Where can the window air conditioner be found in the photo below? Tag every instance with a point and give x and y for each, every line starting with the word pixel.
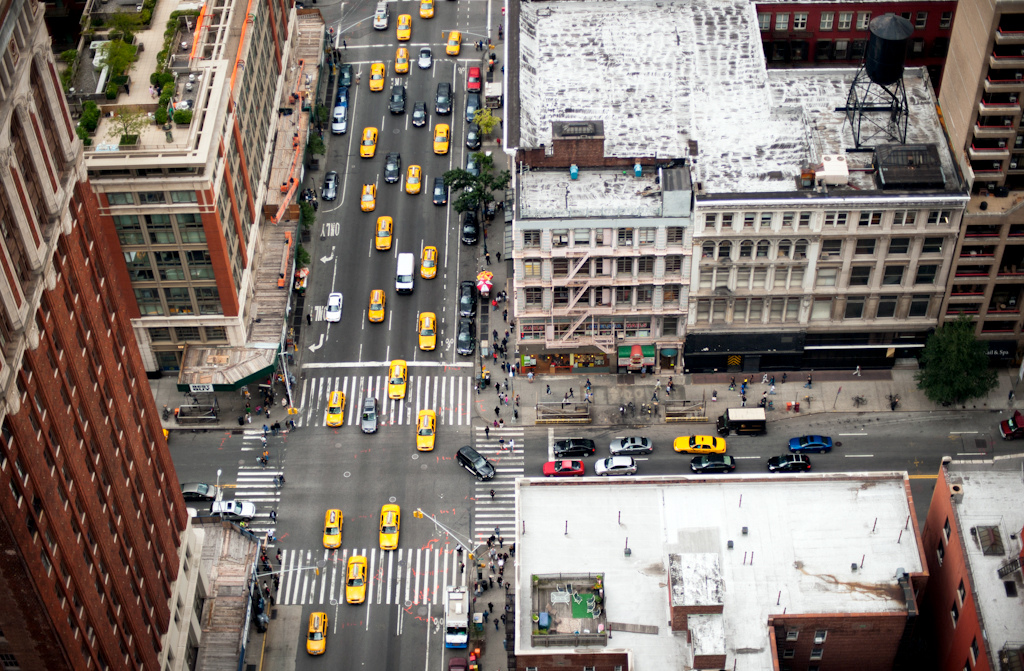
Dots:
pixel 1013 165
pixel 1013 99
pixel 1002 144
pixel 1019 75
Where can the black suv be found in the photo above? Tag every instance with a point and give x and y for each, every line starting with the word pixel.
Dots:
pixel 465 340
pixel 470 228
pixel 440 191
pixel 392 167
pixel 467 299
pixel 574 447
pixel 443 100
pixel 475 463
pixel 397 102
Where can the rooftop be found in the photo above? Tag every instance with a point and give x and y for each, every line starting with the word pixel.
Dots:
pixel 775 566
pixel 546 194
pixel 669 74
pixel 989 512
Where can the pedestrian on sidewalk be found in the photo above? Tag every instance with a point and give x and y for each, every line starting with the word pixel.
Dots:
pixel 565 399
pixel 497 255
pixel 771 392
pixel 784 378
pixel 808 385
pixel 501 424
pixel 857 372
pixel 487 257
pixel 495 624
pixel 517 400
pixel 1010 398
pixel 504 315
pixel 512 445
pixel 764 379
pixel 571 394
pixel 273 515
pixel 657 384
pixel 548 391
pixel 743 401
pixel 309 319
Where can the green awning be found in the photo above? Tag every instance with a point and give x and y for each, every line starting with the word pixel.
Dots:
pixel 671 351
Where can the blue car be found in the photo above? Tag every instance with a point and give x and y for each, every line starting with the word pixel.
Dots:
pixel 819 444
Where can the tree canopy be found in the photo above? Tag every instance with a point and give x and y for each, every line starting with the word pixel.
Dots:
pixel 955 366
pixel 476 191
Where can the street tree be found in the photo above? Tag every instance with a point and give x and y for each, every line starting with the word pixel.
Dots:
pixel 487 121
pixel 127 124
pixel 476 191
pixel 955 366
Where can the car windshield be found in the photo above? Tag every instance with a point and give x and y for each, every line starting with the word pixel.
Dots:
pixel 367 197
pixel 427 331
pixel 439 190
pixel 316 636
pixel 368 140
pixel 334 409
pixel 425 430
pixel 388 529
pixel 464 336
pixel 442 98
pixel 440 136
pixel 429 262
pixel 397 379
pixel 414 179
pixel 202 489
pixel 368 416
pixel 355 582
pixel 331 531
pixel 479 463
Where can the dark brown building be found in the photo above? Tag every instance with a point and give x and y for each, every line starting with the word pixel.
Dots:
pixel 91 514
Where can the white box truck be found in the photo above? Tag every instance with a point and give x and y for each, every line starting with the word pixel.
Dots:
pixel 456 618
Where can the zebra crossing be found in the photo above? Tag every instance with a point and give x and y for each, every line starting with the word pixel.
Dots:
pixel 499 511
pixel 255 483
pixel 450 396
pixel 403 577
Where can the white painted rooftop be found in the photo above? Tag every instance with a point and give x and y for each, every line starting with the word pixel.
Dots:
pixel 791 559
pixel 992 498
pixel 661 75
pixel 596 193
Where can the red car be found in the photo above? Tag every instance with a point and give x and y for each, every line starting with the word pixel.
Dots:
pixel 473 80
pixel 564 468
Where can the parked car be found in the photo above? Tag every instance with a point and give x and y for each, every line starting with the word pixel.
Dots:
pixel 473 79
pixel 473 136
pixel 574 447
pixel 339 120
pixel 470 228
pixel 443 99
pixel 563 468
pixel 1012 427
pixel 472 105
pixel 368 419
pixel 467 298
pixel 419 114
pixel 475 463
pixel 472 164
pixel 789 463
pixel 345 75
pixel 712 463
pixel 392 167
pixel 426 59
pixel 631 445
pixel 397 103
pixel 330 190
pixel 236 511
pixel 819 444
pixel 199 491
pixel 440 191
pixel 615 466
pixel 465 338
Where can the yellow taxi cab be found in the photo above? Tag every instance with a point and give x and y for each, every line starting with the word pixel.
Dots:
pixel 368 145
pixel 413 182
pixel 699 444
pixel 454 44
pixel 376 312
pixel 333 521
pixel 316 639
pixel 404 29
pixel 398 376
pixel 426 426
pixel 355 580
pixel 336 408
pixel 426 9
pixel 426 328
pixel 442 134
pixel 368 201
pixel 382 238
pixel 377 76
pixel 390 522
pixel 402 60
pixel 428 263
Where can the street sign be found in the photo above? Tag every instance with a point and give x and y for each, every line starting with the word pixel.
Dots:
pixel 201 388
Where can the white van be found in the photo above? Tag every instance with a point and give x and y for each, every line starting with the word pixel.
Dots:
pixel 405 273
pixel 380 17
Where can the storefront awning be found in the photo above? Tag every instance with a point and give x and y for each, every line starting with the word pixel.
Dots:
pixel 671 351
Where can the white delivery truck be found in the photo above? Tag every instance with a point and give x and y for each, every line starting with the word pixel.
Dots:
pixel 456 618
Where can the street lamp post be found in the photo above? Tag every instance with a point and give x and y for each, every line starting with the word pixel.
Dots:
pixel 219 471
pixel 470 548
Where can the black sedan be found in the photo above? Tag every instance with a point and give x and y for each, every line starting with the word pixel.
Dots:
pixel 789 463
pixel 712 463
pixel 419 114
pixel 472 105
pixel 443 99
pixel 473 137
pixel 473 165
pixel 574 447
pixel 467 299
pixel 345 75
pixel 397 102
pixel 392 167
pixel 440 191
pixel 475 463
pixel 465 339
pixel 470 229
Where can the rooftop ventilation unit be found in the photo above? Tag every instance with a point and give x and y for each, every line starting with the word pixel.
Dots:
pixel 834 170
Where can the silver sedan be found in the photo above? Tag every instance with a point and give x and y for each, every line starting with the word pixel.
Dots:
pixel 631 445
pixel 615 466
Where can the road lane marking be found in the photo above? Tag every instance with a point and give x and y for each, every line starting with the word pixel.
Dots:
pixel 372 364
pixel 962 433
pixel 852 434
pixel 859 456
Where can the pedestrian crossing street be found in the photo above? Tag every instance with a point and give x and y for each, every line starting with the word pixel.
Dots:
pixel 499 511
pixel 256 483
pixel 450 396
pixel 404 577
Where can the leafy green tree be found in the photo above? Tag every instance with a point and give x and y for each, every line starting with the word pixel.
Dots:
pixel 307 215
pixel 476 191
pixel 955 366
pixel 316 145
pixel 487 121
pixel 119 57
pixel 302 257
pixel 125 24
pixel 129 121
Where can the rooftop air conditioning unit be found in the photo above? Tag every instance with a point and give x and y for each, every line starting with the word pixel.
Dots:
pixel 834 170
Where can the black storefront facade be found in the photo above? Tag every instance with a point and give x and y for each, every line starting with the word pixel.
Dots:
pixel 798 350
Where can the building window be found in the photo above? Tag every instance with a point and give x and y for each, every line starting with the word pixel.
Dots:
pixel 673 264
pixel 919 306
pixel 647 236
pixel 624 295
pixel 160 335
pixel 782 21
pixel 845 20
pixel 863 19
pixel 961 591
pixel 822 309
pixel 200 265
pixel 932 246
pixel 789 653
pixel 670 326
pixel 152 197
pixel 559 237
pixel 826 20
pixel 148 301
pixel 179 302
pixel 816 653
pixel 893 275
pixel 792 634
pixel 870 218
pixel 747 249
pixel 938 217
pixel 946 20
pixel 860 276
pixel 946 530
pixel 121 198
pixel 725 250
pixel 940 553
pixel 129 229
pixel 921 22
pixel 161 232
pixel 216 333
pixel 854 307
pixel 766 220
pixel 707 250
pixel 763 248
pixel 169 265
pixel 187 333
pixel 581 237
pixel 561 296
pixel 531 267
pixel 899 246
pixel 703 311
pixel 904 218
pixel 184 197
pixel 727 220
pixel 209 301
pixel 865 246
pixel 974 650
pixel 857 49
pixel 748 219
pixel 831 248
pixel 841 48
pixel 625 236
pixel 954 614
pixel 819 636
pixel 644 293
pixel 622 266
pixel 926 274
pixel 645 264
pixel 886 307
pixel 531 238
pixel 674 235
pixel 836 219
pixel 764 21
pixel 534 296
pixel 139 268
pixel 822 50
pixel 800 21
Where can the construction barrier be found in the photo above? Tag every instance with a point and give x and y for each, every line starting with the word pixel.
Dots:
pixel 558 413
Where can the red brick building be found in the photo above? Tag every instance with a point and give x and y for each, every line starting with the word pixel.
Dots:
pixel 809 34
pixel 91 514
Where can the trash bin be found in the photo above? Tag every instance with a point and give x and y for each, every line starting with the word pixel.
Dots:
pixel 789 406
pixel 796 407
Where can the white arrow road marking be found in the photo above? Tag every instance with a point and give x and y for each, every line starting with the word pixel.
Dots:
pixel 313 348
pixel 325 259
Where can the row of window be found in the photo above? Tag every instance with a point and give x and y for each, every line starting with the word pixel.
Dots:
pixel 801 221
pixel 611 266
pixel 172 266
pixel 184 228
pixel 608 326
pixel 189 334
pixel 798 51
pixel 787 249
pixel 151 197
pixel 786 309
pixel 178 301
pixel 740 279
pixel 629 295
pixel 842 20
pixel 587 237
